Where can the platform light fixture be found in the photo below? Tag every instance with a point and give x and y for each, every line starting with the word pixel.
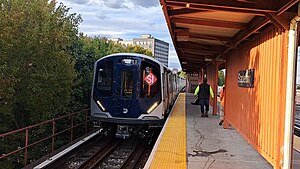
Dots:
pixel 208 59
pixel 183 38
pixel 184 63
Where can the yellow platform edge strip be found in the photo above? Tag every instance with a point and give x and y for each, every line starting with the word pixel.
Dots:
pixel 171 151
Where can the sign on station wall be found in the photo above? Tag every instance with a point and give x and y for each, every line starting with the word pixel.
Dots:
pixel 246 78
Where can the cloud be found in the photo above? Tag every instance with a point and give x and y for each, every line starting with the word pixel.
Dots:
pixel 117 4
pixel 145 3
pixel 102 15
pixel 114 3
pixel 126 19
pixel 81 2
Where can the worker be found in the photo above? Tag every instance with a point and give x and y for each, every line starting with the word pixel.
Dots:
pixel 203 91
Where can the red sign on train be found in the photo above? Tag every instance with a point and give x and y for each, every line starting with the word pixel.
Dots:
pixel 150 79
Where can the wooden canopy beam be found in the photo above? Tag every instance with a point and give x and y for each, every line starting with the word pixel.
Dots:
pixel 201 36
pixel 209 37
pixel 276 20
pixel 194 55
pixel 255 24
pixel 183 11
pixel 257 7
pixel 194 45
pixel 209 22
pixel 193 67
pixel 200 53
pixel 184 49
pixel 192 60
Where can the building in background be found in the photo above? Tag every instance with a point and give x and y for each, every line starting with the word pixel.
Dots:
pixel 159 48
pixel 121 41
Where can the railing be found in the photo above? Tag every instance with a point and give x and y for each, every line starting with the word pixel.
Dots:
pixel 26 131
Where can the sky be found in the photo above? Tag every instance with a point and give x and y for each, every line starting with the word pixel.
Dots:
pixel 126 19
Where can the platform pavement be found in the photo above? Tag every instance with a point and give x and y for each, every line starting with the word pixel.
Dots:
pixel 211 146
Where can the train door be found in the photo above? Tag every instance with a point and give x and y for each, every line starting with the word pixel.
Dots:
pixel 126 86
pixel 150 88
pixel 165 90
pixel 170 87
pixel 174 87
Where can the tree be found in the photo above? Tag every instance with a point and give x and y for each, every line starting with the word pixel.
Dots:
pixel 182 74
pixel 34 65
pixel 138 49
pixel 221 78
pixel 45 66
pixel 36 70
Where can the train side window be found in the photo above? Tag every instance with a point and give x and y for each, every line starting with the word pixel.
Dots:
pixel 127 83
pixel 104 78
pixel 149 90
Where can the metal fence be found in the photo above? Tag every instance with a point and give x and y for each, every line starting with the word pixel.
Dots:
pixel 52 136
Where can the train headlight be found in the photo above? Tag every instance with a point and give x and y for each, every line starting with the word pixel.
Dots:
pixel 100 105
pixel 152 107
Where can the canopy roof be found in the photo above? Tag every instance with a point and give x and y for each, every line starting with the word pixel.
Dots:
pixel 205 30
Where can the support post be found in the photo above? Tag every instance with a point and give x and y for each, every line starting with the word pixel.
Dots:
pixel 53 133
pixel 290 88
pixel 215 89
pixel 72 124
pixel 26 145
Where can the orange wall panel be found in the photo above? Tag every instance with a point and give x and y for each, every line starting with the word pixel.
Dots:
pixel 257 113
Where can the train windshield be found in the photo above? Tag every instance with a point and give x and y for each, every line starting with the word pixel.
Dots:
pixel 104 78
pixel 151 80
pixel 127 83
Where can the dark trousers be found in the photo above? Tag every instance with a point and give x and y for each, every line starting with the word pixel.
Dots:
pixel 204 102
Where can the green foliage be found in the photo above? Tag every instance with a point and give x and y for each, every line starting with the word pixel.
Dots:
pixel 221 78
pixel 46 69
pixel 182 74
pixel 36 71
pixel 35 66
pixel 138 49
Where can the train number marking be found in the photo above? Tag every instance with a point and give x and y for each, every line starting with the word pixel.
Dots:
pixel 150 79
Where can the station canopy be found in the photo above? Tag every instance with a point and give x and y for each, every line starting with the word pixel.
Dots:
pixel 203 31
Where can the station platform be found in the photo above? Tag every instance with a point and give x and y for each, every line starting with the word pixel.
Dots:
pixel 190 141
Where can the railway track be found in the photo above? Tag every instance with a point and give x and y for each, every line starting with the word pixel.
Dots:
pixel 77 156
pixel 106 151
pixel 124 154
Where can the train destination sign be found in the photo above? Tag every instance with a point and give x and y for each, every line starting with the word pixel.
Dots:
pixel 150 79
pixel 246 78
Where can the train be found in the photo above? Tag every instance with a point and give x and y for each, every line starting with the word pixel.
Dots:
pixel 132 89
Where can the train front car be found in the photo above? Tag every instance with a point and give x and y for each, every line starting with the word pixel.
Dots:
pixel 127 91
